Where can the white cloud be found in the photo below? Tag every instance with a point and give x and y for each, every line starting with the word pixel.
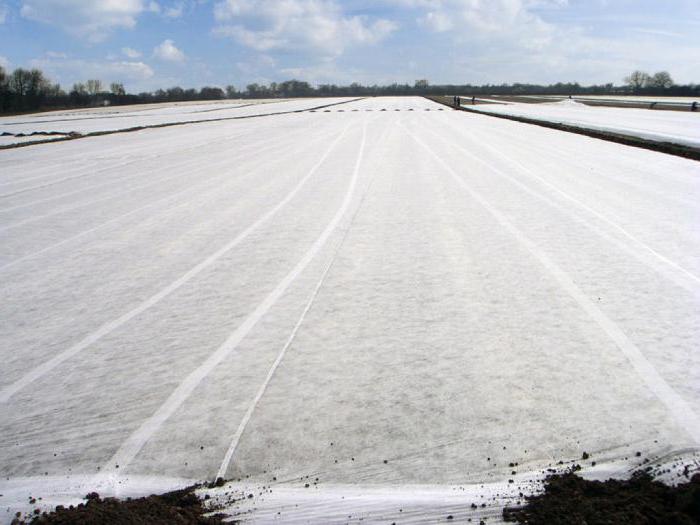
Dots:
pixel 317 26
pixel 437 21
pixel 174 11
pixel 91 19
pixel 131 70
pixel 505 23
pixel 131 53
pixel 4 62
pixel 168 52
pixel 135 75
pixel 175 8
pixel 656 32
pixel 72 70
pixel 257 66
pixel 326 72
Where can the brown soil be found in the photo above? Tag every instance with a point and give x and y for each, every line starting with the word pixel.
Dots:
pixel 181 507
pixel 567 500
pixel 571 500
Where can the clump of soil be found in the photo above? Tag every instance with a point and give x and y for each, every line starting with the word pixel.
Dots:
pixel 571 500
pixel 181 507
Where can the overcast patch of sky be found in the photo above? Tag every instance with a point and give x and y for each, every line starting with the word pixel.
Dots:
pixel 149 44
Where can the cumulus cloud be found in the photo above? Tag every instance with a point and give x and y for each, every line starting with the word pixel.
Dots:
pixel 318 26
pixel 131 53
pixel 91 19
pixel 174 11
pixel 529 41
pixel 506 20
pixel 168 52
pixel 504 23
pixel 71 69
pixel 131 70
pixel 4 62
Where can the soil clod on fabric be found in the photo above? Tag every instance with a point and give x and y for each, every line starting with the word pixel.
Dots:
pixel 571 500
pixel 181 507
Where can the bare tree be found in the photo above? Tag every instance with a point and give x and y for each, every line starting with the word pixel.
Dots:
pixel 117 89
pixel 637 80
pixel 176 93
pixel 254 89
pixel 662 80
pixel 54 90
pixel 37 81
pixel 37 88
pixel 231 91
pixel 5 95
pixel 19 82
pixel 93 86
pixel 211 93
pixel 79 88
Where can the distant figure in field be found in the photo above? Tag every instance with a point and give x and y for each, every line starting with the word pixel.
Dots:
pixel 694 107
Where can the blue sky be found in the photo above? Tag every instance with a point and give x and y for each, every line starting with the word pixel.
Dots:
pixel 147 44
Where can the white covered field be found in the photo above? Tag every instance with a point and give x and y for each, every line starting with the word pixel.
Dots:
pixel 399 303
pixel 97 120
pixel 665 126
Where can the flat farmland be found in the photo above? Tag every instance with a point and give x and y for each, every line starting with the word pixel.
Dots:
pixel 373 297
pixel 23 128
pixel 663 126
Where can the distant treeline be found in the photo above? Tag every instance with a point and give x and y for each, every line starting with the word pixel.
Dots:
pixel 30 90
